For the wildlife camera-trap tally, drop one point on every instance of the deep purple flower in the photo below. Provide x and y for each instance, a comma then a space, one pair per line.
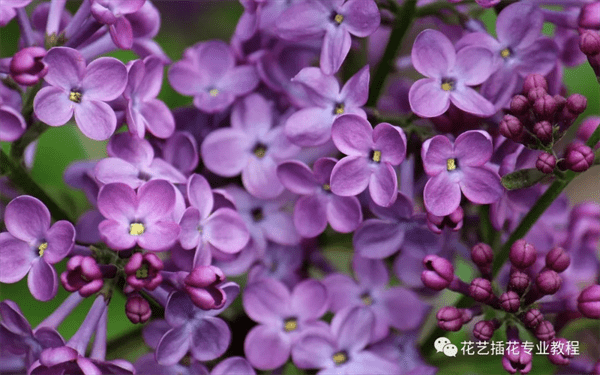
32, 246
143, 218
111, 13
578, 157
82, 275
181, 151
203, 285
137, 309
27, 66
522, 254
8, 10
459, 167
80, 90
208, 73
372, 155
450, 74
438, 273
517, 358
449, 318
588, 302
143, 271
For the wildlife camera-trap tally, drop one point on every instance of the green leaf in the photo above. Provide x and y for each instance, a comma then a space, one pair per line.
522, 178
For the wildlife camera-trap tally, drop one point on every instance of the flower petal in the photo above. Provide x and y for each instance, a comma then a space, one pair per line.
266, 301
481, 185
95, 119
27, 218
441, 195
378, 239
297, 177
225, 151
159, 119
116, 234
117, 202
371, 273
353, 328
156, 200
473, 148
52, 106
433, 54
350, 176
42, 280
519, 25
309, 126
66, 67
474, 65
435, 153
313, 352
427, 99
105, 79
60, 238
15, 258
116, 170
310, 216
200, 195
383, 185
404, 309
210, 339
309, 300
260, 178
352, 135
226, 231
361, 17
391, 141
173, 345
159, 236
266, 347
356, 90
472, 102
189, 236
334, 50
344, 214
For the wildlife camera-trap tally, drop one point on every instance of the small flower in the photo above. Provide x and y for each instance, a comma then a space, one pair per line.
202, 285
27, 66
82, 275
143, 271
111, 13
137, 309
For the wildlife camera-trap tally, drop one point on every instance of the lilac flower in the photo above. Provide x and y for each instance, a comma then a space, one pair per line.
32, 246
8, 10
336, 19
181, 151
372, 154
111, 13
311, 126
318, 205
144, 111
27, 66
143, 271
457, 167
284, 318
252, 147
143, 218
66, 360
450, 74
343, 351
208, 73
80, 90
395, 307
13, 123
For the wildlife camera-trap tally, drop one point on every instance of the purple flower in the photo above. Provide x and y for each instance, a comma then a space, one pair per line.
66, 360
372, 155
143, 271
312, 126
13, 123
80, 90
111, 13
252, 147
284, 318
83, 275
336, 19
318, 205
208, 73
27, 67
450, 74
456, 167
144, 111
8, 10
32, 245
143, 218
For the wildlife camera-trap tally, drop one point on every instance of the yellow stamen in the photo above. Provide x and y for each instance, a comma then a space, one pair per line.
260, 152
447, 86
339, 109
451, 164
367, 300
505, 53
377, 156
43, 246
340, 358
326, 187
142, 272
136, 229
75, 96
290, 325
338, 18
214, 92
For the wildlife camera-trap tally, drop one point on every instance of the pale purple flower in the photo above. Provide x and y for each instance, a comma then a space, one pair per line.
318, 206
111, 13
208, 73
459, 167
66, 360
143, 218
311, 126
32, 246
450, 75
372, 155
80, 90
13, 123
8, 10
336, 20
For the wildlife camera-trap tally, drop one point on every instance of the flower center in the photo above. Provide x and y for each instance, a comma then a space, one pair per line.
339, 109
142, 272
136, 229
260, 150
505, 53
447, 84
257, 214
376, 156
326, 187
291, 324
214, 92
43, 246
451, 164
366, 299
340, 358
338, 18
75, 96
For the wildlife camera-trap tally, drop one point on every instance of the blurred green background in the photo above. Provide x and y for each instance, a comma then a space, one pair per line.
185, 23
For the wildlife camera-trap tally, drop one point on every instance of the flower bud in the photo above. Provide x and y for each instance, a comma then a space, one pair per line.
484, 330
544, 331
202, 286
589, 16
482, 254
545, 107
545, 163
517, 359
532, 318
588, 302
481, 290
143, 271
578, 157
454, 221
27, 66
511, 128
83, 274
438, 273
589, 42
548, 281
587, 127
522, 254
560, 357
576, 104
449, 318
543, 130
536, 93
510, 301
518, 282
557, 259
561, 101
137, 309
533, 81
519, 105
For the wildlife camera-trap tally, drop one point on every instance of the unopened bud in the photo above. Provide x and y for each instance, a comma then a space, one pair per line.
481, 290
548, 281
588, 302
576, 104
522, 254
544, 331
557, 259
510, 301
587, 127
484, 330
519, 105
589, 42
137, 309
449, 318
532, 318
533, 81
589, 16
482, 254
578, 157
519, 281
438, 273
536, 93
27, 66
545, 163
543, 131
545, 107
511, 128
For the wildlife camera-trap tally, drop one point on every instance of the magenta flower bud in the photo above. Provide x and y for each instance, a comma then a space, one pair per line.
576, 104
534, 81
517, 359
545, 106
438, 273
544, 331
589, 16
587, 127
482, 254
578, 157
588, 302
143, 271
510, 301
484, 330
511, 128
543, 130
536, 93
557, 259
519, 105
522, 254
545, 163
202, 286
560, 357
454, 221
449, 318
561, 101
548, 281
27, 67
137, 309
589, 42
519, 281
481, 290
83, 274
532, 318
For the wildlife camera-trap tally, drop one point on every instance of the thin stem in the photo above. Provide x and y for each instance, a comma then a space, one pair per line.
25, 27
61, 313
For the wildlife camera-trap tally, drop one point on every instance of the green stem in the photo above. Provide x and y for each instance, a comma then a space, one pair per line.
17, 149
404, 17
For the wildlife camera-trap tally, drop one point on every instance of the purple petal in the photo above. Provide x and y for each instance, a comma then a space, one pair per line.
42, 280
313, 352
189, 236
179, 310
253, 115
13, 124
52, 106
441, 195
356, 90
239, 80
344, 214
371, 273
303, 20
27, 218
501, 85
159, 119
210, 339
540, 57
181, 151
150, 86
353, 328
324, 88
310, 216
66, 67
48, 337
156, 200
297, 177
342, 291
427, 99
60, 238
95, 119
105, 79
309, 300
117, 202
519, 25
185, 78
215, 57
383, 185
213, 104
266, 301
266, 347
472, 102
115, 170
336, 46
361, 17
378, 239
121, 33
162, 170
130, 148
15, 258
433, 54
309, 126
116, 234
405, 311
233, 365
366, 362
225, 151
173, 345
435, 153
260, 178
322, 169
481, 185
474, 65
226, 230
279, 228
200, 195
159, 236
473, 148
391, 141
352, 135
401, 210
350, 176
